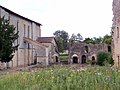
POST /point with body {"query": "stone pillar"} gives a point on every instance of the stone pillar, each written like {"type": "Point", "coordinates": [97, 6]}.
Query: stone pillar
{"type": "Point", "coordinates": [47, 61]}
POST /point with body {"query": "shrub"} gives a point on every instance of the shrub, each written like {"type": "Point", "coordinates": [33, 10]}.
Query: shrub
{"type": "Point", "coordinates": [111, 61]}
{"type": "Point", "coordinates": [104, 58]}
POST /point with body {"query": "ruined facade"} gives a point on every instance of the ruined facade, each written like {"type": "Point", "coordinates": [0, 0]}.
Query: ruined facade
{"type": "Point", "coordinates": [29, 31]}
{"type": "Point", "coordinates": [81, 52]}
{"type": "Point", "coordinates": [116, 32]}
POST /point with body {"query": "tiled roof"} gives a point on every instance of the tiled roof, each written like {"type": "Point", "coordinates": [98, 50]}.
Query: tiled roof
{"type": "Point", "coordinates": [45, 39]}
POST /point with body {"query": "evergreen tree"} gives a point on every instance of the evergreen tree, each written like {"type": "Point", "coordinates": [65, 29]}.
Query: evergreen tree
{"type": "Point", "coordinates": [7, 39]}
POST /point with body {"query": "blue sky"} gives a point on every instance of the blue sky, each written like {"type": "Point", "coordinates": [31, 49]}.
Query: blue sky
{"type": "Point", "coordinates": [90, 18]}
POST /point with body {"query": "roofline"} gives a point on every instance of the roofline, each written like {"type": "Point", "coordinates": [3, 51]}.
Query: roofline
{"type": "Point", "coordinates": [49, 37]}
{"type": "Point", "coordinates": [11, 12]}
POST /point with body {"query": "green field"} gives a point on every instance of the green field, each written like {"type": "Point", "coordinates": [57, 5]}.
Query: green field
{"type": "Point", "coordinates": [63, 78]}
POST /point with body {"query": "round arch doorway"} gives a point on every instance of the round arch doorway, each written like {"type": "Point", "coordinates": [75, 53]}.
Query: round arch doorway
{"type": "Point", "coordinates": [83, 59]}
{"type": "Point", "coordinates": [75, 58]}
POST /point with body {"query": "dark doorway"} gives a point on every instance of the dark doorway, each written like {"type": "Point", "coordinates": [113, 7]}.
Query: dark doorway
{"type": "Point", "coordinates": [56, 58]}
{"type": "Point", "coordinates": [75, 59]}
{"type": "Point", "coordinates": [83, 59]}
{"type": "Point", "coordinates": [109, 48]}
{"type": "Point", "coordinates": [35, 59]}
{"type": "Point", "coordinates": [93, 60]}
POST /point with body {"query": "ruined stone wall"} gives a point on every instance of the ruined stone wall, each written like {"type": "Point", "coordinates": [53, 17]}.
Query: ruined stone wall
{"type": "Point", "coordinates": [88, 50]}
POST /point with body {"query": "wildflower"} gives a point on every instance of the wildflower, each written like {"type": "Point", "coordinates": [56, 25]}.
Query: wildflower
{"type": "Point", "coordinates": [77, 70]}
{"type": "Point", "coordinates": [7, 72]}
{"type": "Point", "coordinates": [32, 70]}
{"type": "Point", "coordinates": [51, 70]}
{"type": "Point", "coordinates": [53, 77]}
{"type": "Point", "coordinates": [22, 73]}
{"type": "Point", "coordinates": [99, 73]}
{"type": "Point", "coordinates": [82, 69]}
{"type": "Point", "coordinates": [73, 70]}
{"type": "Point", "coordinates": [109, 76]}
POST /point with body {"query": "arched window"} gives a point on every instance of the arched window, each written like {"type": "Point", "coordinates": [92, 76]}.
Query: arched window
{"type": "Point", "coordinates": [83, 59]}
{"type": "Point", "coordinates": [117, 32]}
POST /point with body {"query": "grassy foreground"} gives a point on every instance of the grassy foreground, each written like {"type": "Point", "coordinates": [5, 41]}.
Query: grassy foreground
{"type": "Point", "coordinates": [63, 78]}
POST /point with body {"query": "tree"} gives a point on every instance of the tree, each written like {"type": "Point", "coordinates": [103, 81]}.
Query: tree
{"type": "Point", "coordinates": [7, 39]}
{"type": "Point", "coordinates": [107, 39]}
{"type": "Point", "coordinates": [79, 37]}
{"type": "Point", "coordinates": [98, 40]}
{"type": "Point", "coordinates": [72, 39]}
{"type": "Point", "coordinates": [75, 38]}
{"type": "Point", "coordinates": [59, 44]}
{"type": "Point", "coordinates": [93, 40]}
{"type": "Point", "coordinates": [89, 40]}
{"type": "Point", "coordinates": [64, 36]}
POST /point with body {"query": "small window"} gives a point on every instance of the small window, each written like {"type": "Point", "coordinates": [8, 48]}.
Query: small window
{"type": "Point", "coordinates": [24, 30]}
{"type": "Point", "coordinates": [9, 18]}
{"type": "Point", "coordinates": [86, 49]}
{"type": "Point", "coordinates": [28, 31]}
{"type": "Point", "coordinates": [17, 25]}
{"type": "Point", "coordinates": [117, 32]}
{"type": "Point", "coordinates": [118, 60]}
{"type": "Point", "coordinates": [18, 41]}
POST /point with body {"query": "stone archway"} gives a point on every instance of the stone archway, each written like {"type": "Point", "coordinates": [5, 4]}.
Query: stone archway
{"type": "Point", "coordinates": [75, 58]}
{"type": "Point", "coordinates": [83, 59]}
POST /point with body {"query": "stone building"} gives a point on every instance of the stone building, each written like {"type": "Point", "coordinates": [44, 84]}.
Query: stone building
{"type": "Point", "coordinates": [53, 55]}
{"type": "Point", "coordinates": [29, 31]}
{"type": "Point", "coordinates": [81, 52]}
{"type": "Point", "coordinates": [116, 32]}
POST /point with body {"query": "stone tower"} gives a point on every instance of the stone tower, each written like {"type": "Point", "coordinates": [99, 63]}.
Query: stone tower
{"type": "Point", "coordinates": [116, 32]}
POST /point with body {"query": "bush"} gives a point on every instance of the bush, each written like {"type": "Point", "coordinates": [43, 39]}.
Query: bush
{"type": "Point", "coordinates": [111, 61]}
{"type": "Point", "coordinates": [104, 58]}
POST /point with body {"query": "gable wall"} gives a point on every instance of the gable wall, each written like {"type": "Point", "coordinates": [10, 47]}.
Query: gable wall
{"type": "Point", "coordinates": [26, 28]}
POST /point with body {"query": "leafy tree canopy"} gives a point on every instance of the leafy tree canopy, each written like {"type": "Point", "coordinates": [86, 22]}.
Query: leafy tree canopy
{"type": "Point", "coordinates": [59, 44]}
{"type": "Point", "coordinates": [89, 40]}
{"type": "Point", "coordinates": [64, 36]}
{"type": "Point", "coordinates": [107, 39]}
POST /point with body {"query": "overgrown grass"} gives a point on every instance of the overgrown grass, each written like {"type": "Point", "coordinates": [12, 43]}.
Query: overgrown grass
{"type": "Point", "coordinates": [63, 78]}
